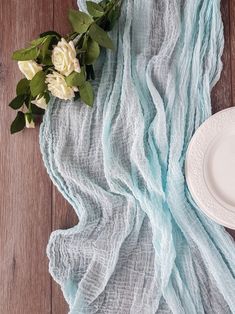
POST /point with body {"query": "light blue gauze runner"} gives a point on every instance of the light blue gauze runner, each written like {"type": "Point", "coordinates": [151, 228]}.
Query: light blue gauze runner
{"type": "Point", "coordinates": [142, 246]}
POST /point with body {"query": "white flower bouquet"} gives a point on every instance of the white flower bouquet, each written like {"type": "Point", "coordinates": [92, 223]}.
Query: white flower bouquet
{"type": "Point", "coordinates": [62, 67]}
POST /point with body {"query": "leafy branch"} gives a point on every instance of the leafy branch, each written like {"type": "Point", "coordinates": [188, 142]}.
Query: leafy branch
{"type": "Point", "coordinates": [40, 62]}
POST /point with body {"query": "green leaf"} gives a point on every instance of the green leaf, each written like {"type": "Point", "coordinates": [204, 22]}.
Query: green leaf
{"type": "Point", "coordinates": [46, 95]}
{"type": "Point", "coordinates": [75, 79]}
{"type": "Point", "coordinates": [45, 52]}
{"type": "Point", "coordinates": [100, 36]}
{"type": "Point", "coordinates": [46, 60]}
{"type": "Point", "coordinates": [17, 102]}
{"type": "Point", "coordinates": [36, 110]}
{"type": "Point", "coordinates": [28, 100]}
{"type": "Point", "coordinates": [94, 9]}
{"type": "Point", "coordinates": [113, 16]}
{"type": "Point", "coordinates": [84, 44]}
{"type": "Point", "coordinates": [103, 3]}
{"type": "Point", "coordinates": [37, 84]}
{"type": "Point", "coordinates": [52, 33]}
{"type": "Point", "coordinates": [93, 51]}
{"type": "Point", "coordinates": [44, 56]}
{"type": "Point", "coordinates": [19, 123]}
{"type": "Point", "coordinates": [39, 41]}
{"type": "Point", "coordinates": [22, 87]}
{"type": "Point", "coordinates": [80, 21]}
{"type": "Point", "coordinates": [45, 46]}
{"type": "Point", "coordinates": [26, 54]}
{"type": "Point", "coordinates": [90, 72]}
{"type": "Point", "coordinates": [55, 38]}
{"type": "Point", "coordinates": [87, 94]}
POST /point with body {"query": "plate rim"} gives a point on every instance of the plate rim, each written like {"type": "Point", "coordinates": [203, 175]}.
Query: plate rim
{"type": "Point", "coordinates": [188, 174]}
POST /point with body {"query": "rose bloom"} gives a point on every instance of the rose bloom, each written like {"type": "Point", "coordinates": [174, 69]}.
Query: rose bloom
{"type": "Point", "coordinates": [58, 86]}
{"type": "Point", "coordinates": [29, 68]}
{"type": "Point", "coordinates": [40, 102]}
{"type": "Point", "coordinates": [64, 58]}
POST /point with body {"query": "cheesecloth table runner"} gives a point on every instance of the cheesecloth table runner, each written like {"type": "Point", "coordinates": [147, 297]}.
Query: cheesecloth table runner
{"type": "Point", "coordinates": [142, 245]}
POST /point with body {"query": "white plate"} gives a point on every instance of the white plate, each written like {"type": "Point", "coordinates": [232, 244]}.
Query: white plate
{"type": "Point", "coordinates": [210, 167]}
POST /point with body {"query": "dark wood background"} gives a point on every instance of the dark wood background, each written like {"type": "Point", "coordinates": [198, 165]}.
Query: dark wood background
{"type": "Point", "coordinates": [30, 207]}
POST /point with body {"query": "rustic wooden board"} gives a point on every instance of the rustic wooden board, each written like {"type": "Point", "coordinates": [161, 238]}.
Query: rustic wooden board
{"type": "Point", "coordinates": [221, 94]}
{"type": "Point", "coordinates": [25, 189]}
{"type": "Point", "coordinates": [30, 207]}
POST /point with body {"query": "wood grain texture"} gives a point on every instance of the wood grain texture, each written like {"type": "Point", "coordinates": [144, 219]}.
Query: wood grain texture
{"type": "Point", "coordinates": [25, 202]}
{"type": "Point", "coordinates": [30, 208]}
{"type": "Point", "coordinates": [221, 95]}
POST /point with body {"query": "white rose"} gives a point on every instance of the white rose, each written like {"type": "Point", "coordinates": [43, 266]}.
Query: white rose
{"type": "Point", "coordinates": [40, 102]}
{"type": "Point", "coordinates": [58, 86]}
{"type": "Point", "coordinates": [29, 125]}
{"type": "Point", "coordinates": [64, 58]}
{"type": "Point", "coordinates": [29, 68]}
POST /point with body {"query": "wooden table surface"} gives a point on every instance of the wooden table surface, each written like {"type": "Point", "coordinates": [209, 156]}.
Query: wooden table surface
{"type": "Point", "coordinates": [30, 206]}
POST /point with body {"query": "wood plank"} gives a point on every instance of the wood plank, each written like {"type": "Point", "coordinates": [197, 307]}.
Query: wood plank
{"type": "Point", "coordinates": [221, 97]}
{"type": "Point", "coordinates": [25, 202]}
{"type": "Point", "coordinates": [63, 215]}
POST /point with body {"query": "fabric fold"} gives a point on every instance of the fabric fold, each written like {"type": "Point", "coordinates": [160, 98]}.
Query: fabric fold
{"type": "Point", "coordinates": [142, 245]}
